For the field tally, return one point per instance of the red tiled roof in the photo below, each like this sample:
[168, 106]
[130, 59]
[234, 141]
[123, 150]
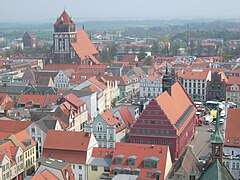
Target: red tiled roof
[110, 118]
[21, 137]
[84, 47]
[97, 67]
[44, 175]
[13, 126]
[129, 58]
[10, 150]
[232, 137]
[100, 85]
[57, 67]
[66, 19]
[141, 151]
[67, 140]
[74, 100]
[126, 115]
[235, 71]
[42, 100]
[197, 75]
[233, 80]
[4, 135]
[63, 124]
[176, 104]
[35, 99]
[92, 88]
[101, 152]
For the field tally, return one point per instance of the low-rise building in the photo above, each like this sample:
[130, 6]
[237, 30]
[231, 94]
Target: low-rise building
[195, 83]
[231, 147]
[233, 89]
[144, 160]
[151, 86]
[73, 147]
[11, 160]
[23, 140]
[107, 129]
[57, 169]
[100, 162]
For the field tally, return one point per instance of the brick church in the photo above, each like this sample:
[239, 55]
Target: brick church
[71, 45]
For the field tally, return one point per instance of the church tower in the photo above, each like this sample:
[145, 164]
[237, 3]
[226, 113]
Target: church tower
[64, 34]
[217, 141]
[167, 81]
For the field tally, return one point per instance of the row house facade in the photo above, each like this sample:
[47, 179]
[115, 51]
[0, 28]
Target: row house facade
[107, 129]
[167, 120]
[23, 140]
[11, 161]
[100, 162]
[79, 111]
[233, 89]
[231, 147]
[150, 86]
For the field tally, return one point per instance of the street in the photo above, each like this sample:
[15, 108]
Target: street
[201, 142]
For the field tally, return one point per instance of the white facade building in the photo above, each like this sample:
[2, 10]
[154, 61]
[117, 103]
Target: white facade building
[61, 80]
[150, 86]
[195, 83]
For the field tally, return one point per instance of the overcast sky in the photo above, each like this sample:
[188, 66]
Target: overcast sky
[46, 10]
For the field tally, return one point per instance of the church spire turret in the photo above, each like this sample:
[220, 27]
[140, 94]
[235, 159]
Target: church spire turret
[217, 141]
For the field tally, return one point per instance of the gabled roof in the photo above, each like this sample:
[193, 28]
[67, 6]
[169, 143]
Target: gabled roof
[126, 115]
[74, 100]
[187, 162]
[42, 100]
[46, 123]
[67, 140]
[195, 75]
[64, 19]
[141, 151]
[109, 118]
[233, 80]
[44, 175]
[9, 149]
[13, 126]
[84, 48]
[52, 165]
[232, 136]
[175, 105]
[100, 85]
[24, 139]
[216, 171]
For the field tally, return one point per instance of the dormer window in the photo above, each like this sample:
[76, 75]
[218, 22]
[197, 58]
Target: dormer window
[151, 162]
[131, 160]
[116, 170]
[119, 159]
[136, 171]
[126, 170]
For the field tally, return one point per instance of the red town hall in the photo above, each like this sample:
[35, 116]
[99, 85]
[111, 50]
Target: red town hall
[167, 120]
